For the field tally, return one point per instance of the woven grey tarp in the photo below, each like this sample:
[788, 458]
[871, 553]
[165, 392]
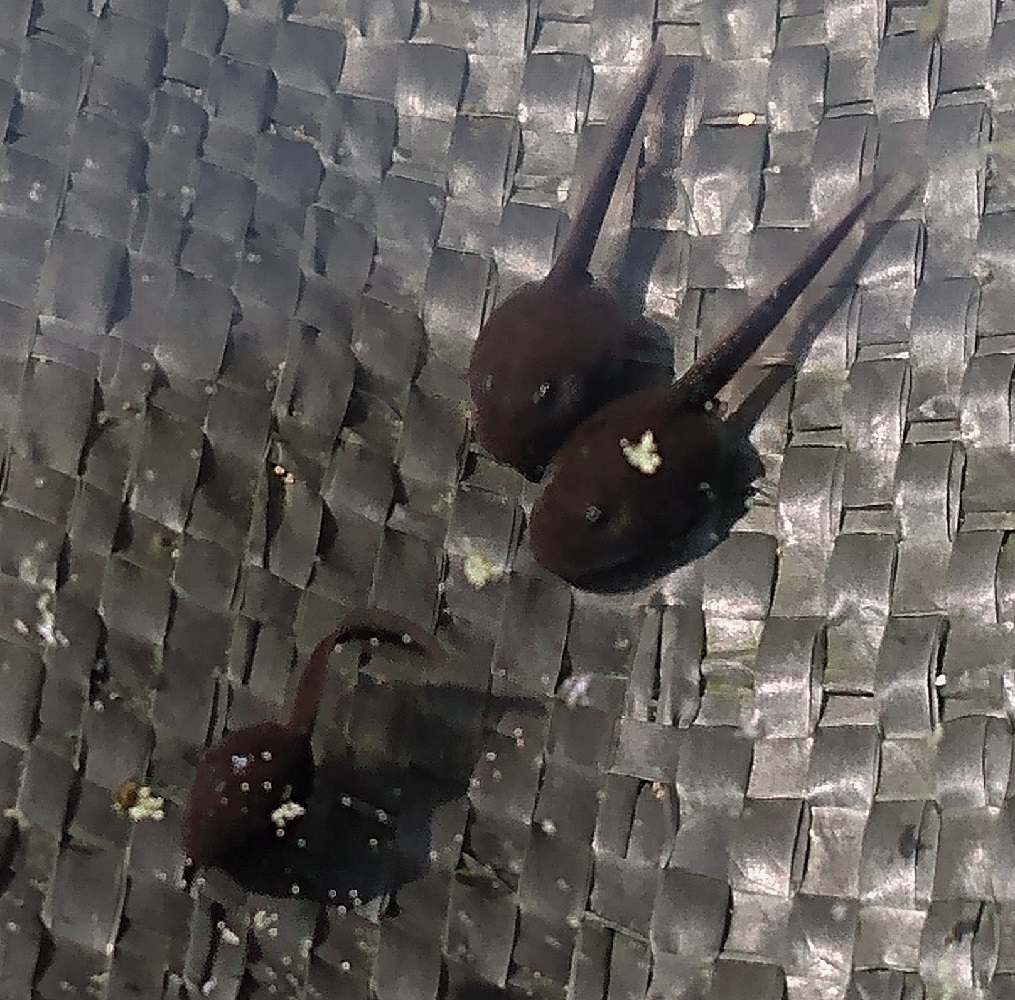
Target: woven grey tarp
[244, 250]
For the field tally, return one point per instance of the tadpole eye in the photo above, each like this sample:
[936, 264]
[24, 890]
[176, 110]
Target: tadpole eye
[593, 514]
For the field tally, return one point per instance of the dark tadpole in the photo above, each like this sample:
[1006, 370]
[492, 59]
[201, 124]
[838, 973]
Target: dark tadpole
[248, 785]
[641, 473]
[553, 351]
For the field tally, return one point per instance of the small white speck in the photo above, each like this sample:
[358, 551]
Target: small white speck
[575, 689]
[941, 680]
[263, 920]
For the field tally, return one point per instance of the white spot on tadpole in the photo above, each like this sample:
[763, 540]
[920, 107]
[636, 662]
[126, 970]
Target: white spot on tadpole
[287, 812]
[642, 456]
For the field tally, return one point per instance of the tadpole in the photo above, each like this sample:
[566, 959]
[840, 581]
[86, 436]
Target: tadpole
[642, 472]
[550, 353]
[254, 780]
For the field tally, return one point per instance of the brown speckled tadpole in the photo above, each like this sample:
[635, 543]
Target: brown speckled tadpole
[244, 778]
[641, 472]
[549, 354]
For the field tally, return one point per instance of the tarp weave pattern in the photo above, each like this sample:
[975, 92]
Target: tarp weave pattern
[245, 247]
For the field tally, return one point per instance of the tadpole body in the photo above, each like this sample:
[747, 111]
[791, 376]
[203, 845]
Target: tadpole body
[247, 776]
[550, 352]
[641, 472]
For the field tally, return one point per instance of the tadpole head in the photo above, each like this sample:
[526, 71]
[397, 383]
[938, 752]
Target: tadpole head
[633, 480]
[240, 783]
[547, 358]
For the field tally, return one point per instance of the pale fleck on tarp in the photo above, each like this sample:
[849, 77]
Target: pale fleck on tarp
[244, 249]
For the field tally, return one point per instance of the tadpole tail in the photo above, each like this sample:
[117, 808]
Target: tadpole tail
[361, 624]
[575, 253]
[717, 366]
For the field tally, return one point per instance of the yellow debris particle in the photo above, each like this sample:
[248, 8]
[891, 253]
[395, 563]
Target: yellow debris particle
[479, 569]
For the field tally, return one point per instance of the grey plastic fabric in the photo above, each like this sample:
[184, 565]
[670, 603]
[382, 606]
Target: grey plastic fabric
[244, 251]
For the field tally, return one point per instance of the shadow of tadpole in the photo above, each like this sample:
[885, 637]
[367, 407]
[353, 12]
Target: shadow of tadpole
[368, 824]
